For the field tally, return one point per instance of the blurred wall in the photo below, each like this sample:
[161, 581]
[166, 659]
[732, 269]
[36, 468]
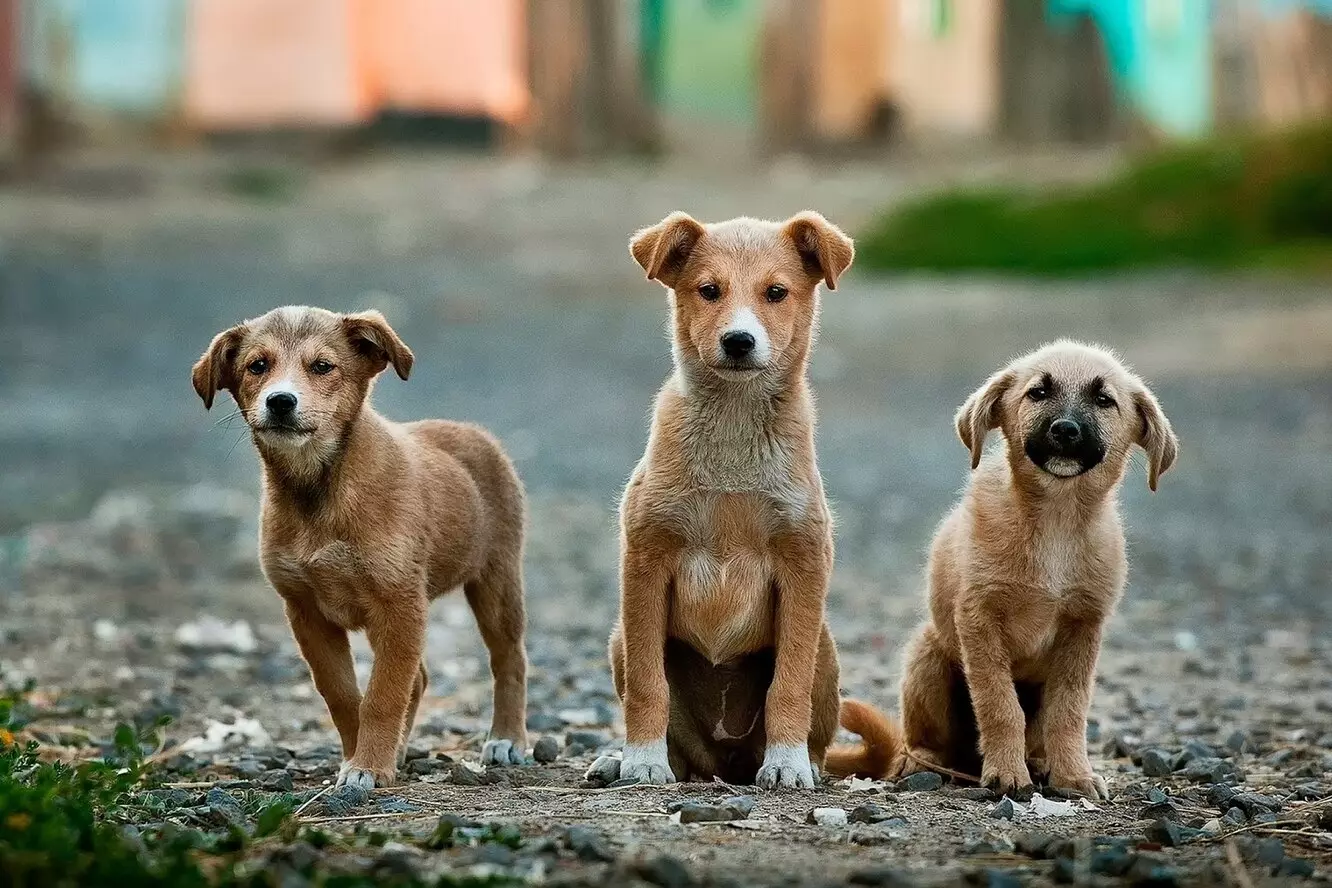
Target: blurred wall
[944, 68]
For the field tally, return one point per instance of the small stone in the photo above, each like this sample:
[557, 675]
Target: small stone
[827, 817]
[546, 750]
[1213, 770]
[1157, 763]
[882, 876]
[975, 794]
[350, 794]
[1151, 871]
[225, 807]
[1033, 844]
[1160, 811]
[1166, 833]
[588, 844]
[868, 813]
[1239, 741]
[922, 781]
[397, 805]
[692, 811]
[276, 781]
[1156, 795]
[1112, 861]
[665, 871]
[986, 843]
[1295, 867]
[1005, 810]
[1219, 794]
[1254, 803]
[1213, 827]
[1264, 817]
[423, 766]
[1193, 750]
[1234, 817]
[416, 752]
[1270, 852]
[461, 775]
[1279, 758]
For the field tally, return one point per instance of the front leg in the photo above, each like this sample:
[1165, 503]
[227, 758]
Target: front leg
[327, 652]
[396, 629]
[645, 574]
[804, 565]
[1068, 690]
[999, 718]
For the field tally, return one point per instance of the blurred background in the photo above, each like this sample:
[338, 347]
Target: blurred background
[1153, 174]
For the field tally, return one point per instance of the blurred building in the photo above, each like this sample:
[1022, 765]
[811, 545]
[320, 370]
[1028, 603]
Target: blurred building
[580, 76]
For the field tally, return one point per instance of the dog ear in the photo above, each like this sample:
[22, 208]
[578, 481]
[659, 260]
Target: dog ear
[1156, 436]
[980, 413]
[823, 247]
[664, 248]
[370, 334]
[215, 370]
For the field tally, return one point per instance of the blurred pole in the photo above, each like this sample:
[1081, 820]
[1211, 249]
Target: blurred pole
[9, 84]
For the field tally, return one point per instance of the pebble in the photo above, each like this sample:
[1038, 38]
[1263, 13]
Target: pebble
[880, 876]
[1270, 852]
[350, 794]
[222, 804]
[423, 766]
[1234, 817]
[1253, 803]
[461, 775]
[1213, 827]
[1166, 832]
[691, 811]
[922, 781]
[1239, 741]
[827, 817]
[1157, 763]
[546, 750]
[1219, 794]
[975, 794]
[1160, 811]
[665, 871]
[397, 805]
[276, 781]
[1005, 810]
[588, 844]
[868, 813]
[1213, 770]
[1156, 795]
[1295, 867]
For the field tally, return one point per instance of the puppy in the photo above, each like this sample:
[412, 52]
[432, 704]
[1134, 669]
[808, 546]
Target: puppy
[1026, 569]
[722, 656]
[365, 521]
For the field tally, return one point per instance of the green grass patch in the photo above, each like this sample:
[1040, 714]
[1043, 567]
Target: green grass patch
[1254, 202]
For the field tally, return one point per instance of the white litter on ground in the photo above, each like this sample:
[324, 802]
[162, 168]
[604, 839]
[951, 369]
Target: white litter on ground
[217, 736]
[211, 634]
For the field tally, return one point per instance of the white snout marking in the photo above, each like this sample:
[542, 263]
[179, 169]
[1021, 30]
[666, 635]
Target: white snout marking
[745, 321]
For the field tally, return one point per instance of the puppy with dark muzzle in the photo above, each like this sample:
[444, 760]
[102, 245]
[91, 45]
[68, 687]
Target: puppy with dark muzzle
[365, 521]
[1026, 570]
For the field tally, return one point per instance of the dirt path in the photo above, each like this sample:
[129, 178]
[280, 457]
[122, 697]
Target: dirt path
[127, 512]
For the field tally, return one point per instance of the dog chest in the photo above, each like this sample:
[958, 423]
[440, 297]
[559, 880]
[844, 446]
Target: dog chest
[336, 577]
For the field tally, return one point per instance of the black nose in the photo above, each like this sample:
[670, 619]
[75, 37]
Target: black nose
[281, 403]
[1065, 432]
[737, 343]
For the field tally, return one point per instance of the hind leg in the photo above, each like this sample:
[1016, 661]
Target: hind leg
[927, 704]
[496, 599]
[418, 692]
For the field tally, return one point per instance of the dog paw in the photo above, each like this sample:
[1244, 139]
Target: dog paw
[1007, 779]
[501, 753]
[786, 767]
[351, 774]
[605, 770]
[1088, 784]
[646, 763]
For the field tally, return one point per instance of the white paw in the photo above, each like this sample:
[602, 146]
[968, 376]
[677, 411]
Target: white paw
[646, 763]
[501, 753]
[361, 778]
[606, 769]
[786, 767]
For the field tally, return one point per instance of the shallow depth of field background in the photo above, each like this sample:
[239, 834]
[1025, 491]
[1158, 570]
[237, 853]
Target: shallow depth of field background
[1155, 175]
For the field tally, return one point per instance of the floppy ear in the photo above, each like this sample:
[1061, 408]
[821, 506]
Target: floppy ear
[370, 334]
[824, 248]
[215, 370]
[1156, 436]
[980, 413]
[664, 248]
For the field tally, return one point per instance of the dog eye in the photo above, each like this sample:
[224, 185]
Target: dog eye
[1104, 400]
[1040, 393]
[776, 293]
[710, 292]
[320, 367]
[259, 367]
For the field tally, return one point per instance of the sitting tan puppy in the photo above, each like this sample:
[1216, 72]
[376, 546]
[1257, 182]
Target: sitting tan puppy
[1027, 568]
[365, 521]
[722, 656]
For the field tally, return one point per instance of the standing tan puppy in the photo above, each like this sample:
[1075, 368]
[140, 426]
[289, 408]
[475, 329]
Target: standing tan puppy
[1026, 569]
[722, 656]
[365, 521]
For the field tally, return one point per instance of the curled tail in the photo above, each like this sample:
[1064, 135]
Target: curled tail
[880, 750]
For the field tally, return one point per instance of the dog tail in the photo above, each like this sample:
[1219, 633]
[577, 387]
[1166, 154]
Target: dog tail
[880, 750]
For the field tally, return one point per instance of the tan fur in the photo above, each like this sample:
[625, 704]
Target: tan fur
[722, 651]
[365, 521]
[1023, 574]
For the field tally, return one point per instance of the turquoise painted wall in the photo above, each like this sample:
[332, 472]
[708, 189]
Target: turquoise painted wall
[115, 55]
[707, 62]
[1161, 53]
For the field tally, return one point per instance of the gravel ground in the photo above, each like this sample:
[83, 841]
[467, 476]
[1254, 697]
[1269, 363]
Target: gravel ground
[129, 586]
